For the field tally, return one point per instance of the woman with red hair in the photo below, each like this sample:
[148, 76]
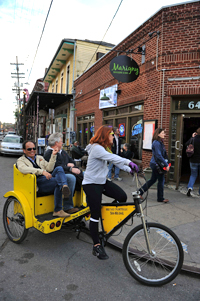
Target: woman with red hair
[95, 183]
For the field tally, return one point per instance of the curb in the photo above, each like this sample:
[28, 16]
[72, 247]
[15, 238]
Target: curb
[185, 268]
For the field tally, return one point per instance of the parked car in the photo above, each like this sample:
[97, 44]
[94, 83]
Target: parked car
[11, 133]
[11, 145]
[1, 136]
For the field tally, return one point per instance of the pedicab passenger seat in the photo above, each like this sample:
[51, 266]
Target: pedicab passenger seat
[40, 203]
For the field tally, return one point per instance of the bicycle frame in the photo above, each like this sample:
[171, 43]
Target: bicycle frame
[108, 212]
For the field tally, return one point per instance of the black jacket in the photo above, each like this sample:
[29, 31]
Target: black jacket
[196, 156]
[127, 154]
[114, 147]
[62, 159]
[78, 153]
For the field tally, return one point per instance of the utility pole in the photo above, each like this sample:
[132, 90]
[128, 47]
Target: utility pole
[24, 116]
[17, 89]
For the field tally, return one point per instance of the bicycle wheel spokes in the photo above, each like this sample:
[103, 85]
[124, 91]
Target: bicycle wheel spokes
[14, 220]
[165, 261]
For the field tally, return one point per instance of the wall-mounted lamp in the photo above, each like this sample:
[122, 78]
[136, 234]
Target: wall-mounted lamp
[118, 91]
[151, 33]
[73, 109]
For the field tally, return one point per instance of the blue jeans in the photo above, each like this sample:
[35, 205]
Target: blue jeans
[110, 166]
[71, 182]
[53, 185]
[195, 169]
[160, 187]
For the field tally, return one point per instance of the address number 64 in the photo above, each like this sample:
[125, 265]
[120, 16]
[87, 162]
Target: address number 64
[192, 105]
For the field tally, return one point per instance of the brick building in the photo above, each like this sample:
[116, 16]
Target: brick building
[167, 92]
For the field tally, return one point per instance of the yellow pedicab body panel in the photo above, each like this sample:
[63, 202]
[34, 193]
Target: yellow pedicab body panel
[27, 212]
[113, 215]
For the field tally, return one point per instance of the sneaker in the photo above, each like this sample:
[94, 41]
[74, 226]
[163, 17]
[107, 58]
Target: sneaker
[189, 192]
[109, 179]
[118, 179]
[99, 252]
[72, 210]
[65, 192]
[61, 213]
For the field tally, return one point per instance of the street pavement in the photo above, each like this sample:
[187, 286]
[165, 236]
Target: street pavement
[181, 214]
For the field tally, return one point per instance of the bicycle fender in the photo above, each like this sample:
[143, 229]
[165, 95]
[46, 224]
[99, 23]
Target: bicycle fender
[25, 205]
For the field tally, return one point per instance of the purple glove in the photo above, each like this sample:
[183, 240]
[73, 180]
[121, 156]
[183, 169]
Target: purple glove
[133, 167]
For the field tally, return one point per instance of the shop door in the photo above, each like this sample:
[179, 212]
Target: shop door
[176, 148]
[179, 148]
[191, 124]
[182, 127]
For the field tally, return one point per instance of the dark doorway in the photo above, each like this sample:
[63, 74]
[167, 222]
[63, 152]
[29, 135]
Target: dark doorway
[190, 126]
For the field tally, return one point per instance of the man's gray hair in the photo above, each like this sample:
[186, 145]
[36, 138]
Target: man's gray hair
[114, 129]
[53, 138]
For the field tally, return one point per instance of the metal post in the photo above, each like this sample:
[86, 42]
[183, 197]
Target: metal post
[163, 87]
[37, 114]
[24, 115]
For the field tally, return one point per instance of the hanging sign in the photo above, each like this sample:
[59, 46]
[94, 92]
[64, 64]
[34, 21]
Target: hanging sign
[111, 93]
[124, 69]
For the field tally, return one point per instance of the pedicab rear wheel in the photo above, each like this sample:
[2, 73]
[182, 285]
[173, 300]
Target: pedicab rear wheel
[14, 220]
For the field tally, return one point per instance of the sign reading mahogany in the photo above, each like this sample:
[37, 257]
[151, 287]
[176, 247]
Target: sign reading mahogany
[124, 69]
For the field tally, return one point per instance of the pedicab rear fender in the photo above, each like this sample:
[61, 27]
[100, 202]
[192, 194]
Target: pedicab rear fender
[28, 214]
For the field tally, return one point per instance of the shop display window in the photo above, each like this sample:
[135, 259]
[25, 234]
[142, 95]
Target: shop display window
[136, 129]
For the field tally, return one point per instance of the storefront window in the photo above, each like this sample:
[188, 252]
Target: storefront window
[136, 108]
[91, 130]
[85, 128]
[85, 134]
[122, 110]
[48, 127]
[58, 124]
[109, 113]
[136, 129]
[109, 122]
[79, 133]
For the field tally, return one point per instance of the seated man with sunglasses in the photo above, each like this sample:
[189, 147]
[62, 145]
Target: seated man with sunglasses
[49, 180]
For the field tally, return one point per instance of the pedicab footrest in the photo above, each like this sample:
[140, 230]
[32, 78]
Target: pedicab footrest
[47, 223]
[45, 217]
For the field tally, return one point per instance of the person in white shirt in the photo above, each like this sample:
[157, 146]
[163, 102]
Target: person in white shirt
[95, 183]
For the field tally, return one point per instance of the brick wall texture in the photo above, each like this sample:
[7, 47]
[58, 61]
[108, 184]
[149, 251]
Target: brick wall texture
[176, 51]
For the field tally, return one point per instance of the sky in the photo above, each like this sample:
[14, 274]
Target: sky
[21, 26]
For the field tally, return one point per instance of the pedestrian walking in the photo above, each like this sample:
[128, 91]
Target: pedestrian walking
[159, 159]
[194, 161]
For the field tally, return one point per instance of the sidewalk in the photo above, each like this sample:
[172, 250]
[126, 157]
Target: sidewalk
[181, 214]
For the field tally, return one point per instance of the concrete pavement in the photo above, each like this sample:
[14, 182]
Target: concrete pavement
[181, 214]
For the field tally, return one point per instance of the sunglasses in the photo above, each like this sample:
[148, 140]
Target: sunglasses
[30, 149]
[112, 133]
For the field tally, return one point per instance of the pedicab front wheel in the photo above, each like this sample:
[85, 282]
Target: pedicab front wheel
[14, 220]
[164, 262]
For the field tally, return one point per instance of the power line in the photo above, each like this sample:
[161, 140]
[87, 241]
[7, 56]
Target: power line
[40, 38]
[104, 34]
